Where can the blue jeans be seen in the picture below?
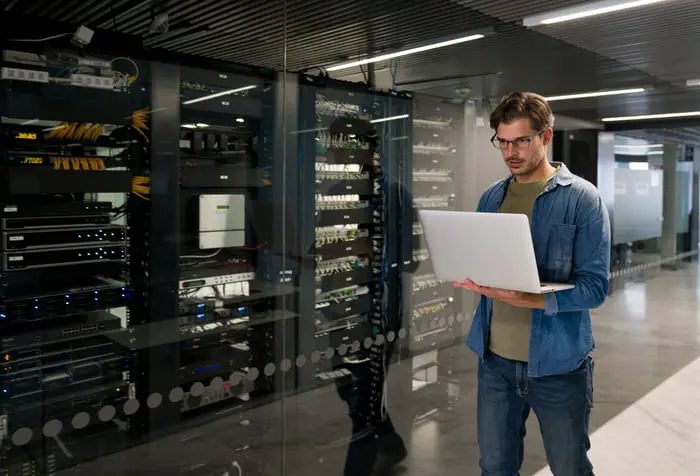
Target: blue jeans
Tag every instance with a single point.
(562, 404)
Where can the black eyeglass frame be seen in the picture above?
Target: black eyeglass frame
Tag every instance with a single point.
(516, 143)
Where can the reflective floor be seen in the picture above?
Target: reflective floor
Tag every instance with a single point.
(646, 418)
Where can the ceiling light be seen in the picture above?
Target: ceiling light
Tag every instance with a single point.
(595, 94)
(219, 94)
(410, 51)
(240, 119)
(671, 115)
(584, 11)
(189, 126)
(391, 118)
(638, 146)
(201, 124)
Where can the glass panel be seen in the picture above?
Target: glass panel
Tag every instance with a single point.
(145, 300)
(75, 136)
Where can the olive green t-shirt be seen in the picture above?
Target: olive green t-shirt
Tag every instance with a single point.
(510, 325)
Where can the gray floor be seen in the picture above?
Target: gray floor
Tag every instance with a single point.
(645, 333)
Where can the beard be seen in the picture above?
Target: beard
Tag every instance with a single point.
(520, 166)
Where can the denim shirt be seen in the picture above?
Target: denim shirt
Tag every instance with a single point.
(571, 236)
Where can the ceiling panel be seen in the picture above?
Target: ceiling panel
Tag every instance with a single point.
(662, 39)
(581, 56)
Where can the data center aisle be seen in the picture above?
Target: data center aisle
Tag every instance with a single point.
(644, 421)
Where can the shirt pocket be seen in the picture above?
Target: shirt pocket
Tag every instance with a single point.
(561, 251)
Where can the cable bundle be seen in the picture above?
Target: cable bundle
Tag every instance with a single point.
(139, 121)
(141, 186)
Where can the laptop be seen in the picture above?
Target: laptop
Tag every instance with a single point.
(492, 249)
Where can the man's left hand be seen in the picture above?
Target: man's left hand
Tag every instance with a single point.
(514, 298)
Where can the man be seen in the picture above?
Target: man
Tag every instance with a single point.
(534, 350)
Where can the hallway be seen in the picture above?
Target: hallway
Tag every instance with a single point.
(644, 422)
(646, 418)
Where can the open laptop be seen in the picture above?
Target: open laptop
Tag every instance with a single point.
(492, 249)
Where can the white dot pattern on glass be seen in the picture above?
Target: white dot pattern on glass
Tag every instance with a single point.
(22, 436)
(52, 428)
(460, 317)
(131, 406)
(253, 374)
(236, 378)
(154, 400)
(106, 413)
(285, 365)
(80, 420)
(197, 389)
(176, 395)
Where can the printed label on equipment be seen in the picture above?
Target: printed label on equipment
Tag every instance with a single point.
(17, 238)
(10, 209)
(16, 258)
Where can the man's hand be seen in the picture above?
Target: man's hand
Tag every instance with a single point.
(514, 298)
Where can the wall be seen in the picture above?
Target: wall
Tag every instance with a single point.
(484, 163)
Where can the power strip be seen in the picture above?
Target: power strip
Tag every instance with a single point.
(89, 81)
(31, 75)
(214, 280)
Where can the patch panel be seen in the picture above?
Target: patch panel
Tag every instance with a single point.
(436, 167)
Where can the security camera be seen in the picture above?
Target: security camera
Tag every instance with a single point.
(82, 36)
(160, 24)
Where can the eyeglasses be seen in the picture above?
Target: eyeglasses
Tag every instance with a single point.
(519, 143)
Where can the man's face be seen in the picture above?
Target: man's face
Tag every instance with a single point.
(523, 148)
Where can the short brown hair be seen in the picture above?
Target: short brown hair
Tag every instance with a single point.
(522, 105)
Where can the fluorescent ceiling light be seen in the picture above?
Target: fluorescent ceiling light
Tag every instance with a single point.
(584, 11)
(638, 146)
(189, 126)
(392, 118)
(670, 115)
(595, 94)
(219, 94)
(638, 165)
(240, 120)
(407, 52)
(201, 124)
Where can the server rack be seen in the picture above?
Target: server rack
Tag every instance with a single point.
(351, 143)
(72, 130)
(438, 148)
(234, 304)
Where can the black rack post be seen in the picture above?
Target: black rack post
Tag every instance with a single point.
(159, 353)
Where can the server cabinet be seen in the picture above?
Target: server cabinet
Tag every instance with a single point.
(351, 144)
(74, 134)
(437, 165)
